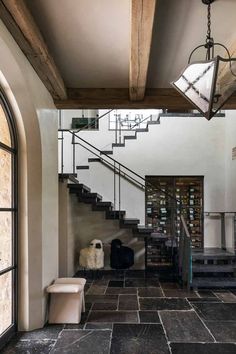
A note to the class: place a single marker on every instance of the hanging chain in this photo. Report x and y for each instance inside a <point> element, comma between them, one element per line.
<point>208,37</point>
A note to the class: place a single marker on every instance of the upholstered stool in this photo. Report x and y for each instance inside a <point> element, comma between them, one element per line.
<point>67,301</point>
<point>80,281</point>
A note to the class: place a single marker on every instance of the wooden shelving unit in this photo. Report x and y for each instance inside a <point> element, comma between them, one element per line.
<point>163,213</point>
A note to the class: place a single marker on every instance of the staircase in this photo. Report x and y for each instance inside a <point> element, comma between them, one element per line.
<point>85,195</point>
<point>213,268</point>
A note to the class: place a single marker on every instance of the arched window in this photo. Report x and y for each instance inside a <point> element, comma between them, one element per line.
<point>8,222</point>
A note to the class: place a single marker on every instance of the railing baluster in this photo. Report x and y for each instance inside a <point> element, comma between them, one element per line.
<point>119,188</point>
<point>114,185</point>
<point>73,144</point>
<point>62,153</point>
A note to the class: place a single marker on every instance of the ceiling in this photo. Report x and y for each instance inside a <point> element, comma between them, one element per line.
<point>90,40</point>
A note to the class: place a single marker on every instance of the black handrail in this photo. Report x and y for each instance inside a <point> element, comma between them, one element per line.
<point>98,118</point>
<point>178,201</point>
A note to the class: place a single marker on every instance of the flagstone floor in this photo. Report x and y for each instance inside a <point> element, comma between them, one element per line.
<point>127,313</point>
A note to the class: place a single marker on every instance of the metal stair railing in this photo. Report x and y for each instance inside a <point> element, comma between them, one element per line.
<point>120,170</point>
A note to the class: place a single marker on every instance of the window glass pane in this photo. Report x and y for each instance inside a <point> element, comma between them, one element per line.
<point>5,179</point>
<point>5,301</point>
<point>5,239</point>
<point>5,136</point>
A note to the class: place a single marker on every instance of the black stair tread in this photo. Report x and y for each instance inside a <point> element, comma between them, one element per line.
<point>121,212</point>
<point>79,187</point>
<point>82,167</point>
<point>154,122</point>
<point>130,137</point>
<point>211,282</point>
<point>67,175</point>
<point>131,221</point>
<point>104,203</point>
<point>140,130</point>
<point>94,159</point>
<point>106,152</point>
<point>213,268</point>
<point>93,195</point>
<point>118,145</point>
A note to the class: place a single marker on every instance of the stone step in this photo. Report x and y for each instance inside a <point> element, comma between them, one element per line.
<point>212,268</point>
<point>212,254</point>
<point>140,130</point>
<point>209,283</point>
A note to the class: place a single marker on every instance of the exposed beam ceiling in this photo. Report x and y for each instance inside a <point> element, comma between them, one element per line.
<point>167,98</point>
<point>142,18</point>
<point>20,23</point>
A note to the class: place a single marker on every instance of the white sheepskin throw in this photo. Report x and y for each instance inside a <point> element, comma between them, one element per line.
<point>92,257</point>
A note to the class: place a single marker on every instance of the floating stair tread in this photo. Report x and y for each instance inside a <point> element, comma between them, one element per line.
<point>129,137</point>
<point>213,268</point>
<point>79,187</point>
<point>140,130</point>
<point>93,195</point>
<point>106,152</point>
<point>82,167</point>
<point>94,159</point>
<point>104,203</point>
<point>131,221</point>
<point>67,175</point>
<point>153,122</point>
<point>112,213</point>
<point>118,145</point>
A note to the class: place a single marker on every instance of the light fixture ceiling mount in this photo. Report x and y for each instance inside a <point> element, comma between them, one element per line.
<point>208,84</point>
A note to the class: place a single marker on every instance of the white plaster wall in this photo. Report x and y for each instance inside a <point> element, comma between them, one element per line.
<point>178,146</point>
<point>230,172</point>
<point>38,197</point>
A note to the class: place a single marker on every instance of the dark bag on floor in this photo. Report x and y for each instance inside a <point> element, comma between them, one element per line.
<point>121,257</point>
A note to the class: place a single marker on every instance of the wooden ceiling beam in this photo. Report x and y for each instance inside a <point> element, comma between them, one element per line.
<point>160,98</point>
<point>20,23</point>
<point>142,19</point>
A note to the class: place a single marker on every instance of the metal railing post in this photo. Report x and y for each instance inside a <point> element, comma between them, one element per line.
<point>73,153</point>
<point>114,185</point>
<point>62,152</point>
<point>119,187</point>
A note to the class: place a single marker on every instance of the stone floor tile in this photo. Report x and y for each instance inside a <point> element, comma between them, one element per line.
<point>128,302</point>
<point>226,296</point>
<point>99,325</point>
<point>116,283</point>
<point>96,290</point>
<point>170,285</point>
<point>149,317</point>
<point>101,298</point>
<point>47,332</point>
<point>203,299</point>
<point>150,292</point>
<point>223,331</point>
<point>29,347</point>
<point>142,283</point>
<point>138,339</point>
<point>179,293</point>
<point>113,316</point>
<point>105,306</point>
<point>216,311</point>
<point>163,304</point>
<point>206,293</point>
<point>118,291</point>
<point>203,348</point>
<point>83,342</point>
<point>184,326</point>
